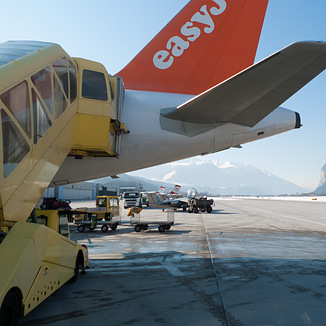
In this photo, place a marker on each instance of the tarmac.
(249, 262)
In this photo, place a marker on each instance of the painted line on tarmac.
(286, 216)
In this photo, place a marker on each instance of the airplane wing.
(249, 96)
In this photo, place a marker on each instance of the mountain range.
(211, 177)
(321, 189)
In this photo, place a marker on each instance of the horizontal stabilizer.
(251, 95)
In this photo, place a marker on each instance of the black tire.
(113, 226)
(161, 228)
(196, 210)
(104, 228)
(209, 209)
(76, 271)
(11, 309)
(167, 227)
(137, 228)
(81, 228)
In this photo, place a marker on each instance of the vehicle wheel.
(209, 209)
(167, 227)
(10, 310)
(76, 271)
(113, 226)
(104, 228)
(161, 228)
(196, 210)
(81, 228)
(137, 228)
(145, 227)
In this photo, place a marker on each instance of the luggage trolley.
(138, 224)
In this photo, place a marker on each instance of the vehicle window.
(17, 101)
(41, 119)
(40, 220)
(42, 81)
(61, 69)
(63, 226)
(102, 202)
(60, 103)
(15, 147)
(94, 85)
(111, 91)
(113, 202)
(73, 81)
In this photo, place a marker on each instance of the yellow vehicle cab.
(106, 213)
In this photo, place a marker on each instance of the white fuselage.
(148, 144)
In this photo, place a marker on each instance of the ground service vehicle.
(51, 106)
(200, 204)
(106, 213)
(132, 199)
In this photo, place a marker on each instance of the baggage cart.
(139, 224)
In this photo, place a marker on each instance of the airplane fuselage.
(148, 144)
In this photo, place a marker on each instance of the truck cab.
(131, 199)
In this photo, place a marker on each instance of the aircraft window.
(73, 81)
(60, 67)
(60, 103)
(94, 85)
(42, 81)
(17, 101)
(41, 119)
(15, 147)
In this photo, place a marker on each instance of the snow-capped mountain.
(218, 177)
(321, 189)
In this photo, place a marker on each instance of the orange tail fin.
(207, 42)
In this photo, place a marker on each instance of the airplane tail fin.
(207, 42)
(175, 190)
(162, 189)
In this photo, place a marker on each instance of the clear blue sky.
(113, 32)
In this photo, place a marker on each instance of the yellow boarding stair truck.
(52, 106)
